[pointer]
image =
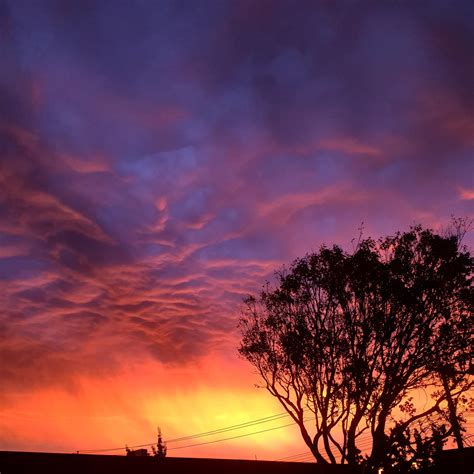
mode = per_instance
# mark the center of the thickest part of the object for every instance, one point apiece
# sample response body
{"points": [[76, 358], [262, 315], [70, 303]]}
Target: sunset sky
{"points": [[159, 160]]}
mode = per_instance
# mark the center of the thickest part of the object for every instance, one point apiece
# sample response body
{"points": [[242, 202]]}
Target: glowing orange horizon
{"points": [[125, 409]]}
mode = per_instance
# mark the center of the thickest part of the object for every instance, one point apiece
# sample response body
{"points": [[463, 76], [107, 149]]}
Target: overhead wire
{"points": [[287, 458], [304, 458], [364, 441], [233, 437], [203, 434], [231, 428]]}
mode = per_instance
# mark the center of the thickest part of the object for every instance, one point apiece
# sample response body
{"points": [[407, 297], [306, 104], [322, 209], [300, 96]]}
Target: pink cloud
{"points": [[281, 209], [350, 146], [466, 194]]}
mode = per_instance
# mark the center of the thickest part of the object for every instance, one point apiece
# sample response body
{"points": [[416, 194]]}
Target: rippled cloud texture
{"points": [[158, 160]]}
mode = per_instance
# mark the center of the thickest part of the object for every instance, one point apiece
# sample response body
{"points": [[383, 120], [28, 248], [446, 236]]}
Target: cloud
{"points": [[466, 194], [158, 164]]}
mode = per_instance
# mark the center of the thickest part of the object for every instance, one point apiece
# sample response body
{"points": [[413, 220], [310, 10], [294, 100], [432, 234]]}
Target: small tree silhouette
{"points": [[161, 448]]}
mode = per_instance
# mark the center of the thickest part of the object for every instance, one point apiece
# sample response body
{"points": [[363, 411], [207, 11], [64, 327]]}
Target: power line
{"points": [[363, 443], [302, 458], [305, 453], [233, 437], [231, 428], [106, 450], [199, 435], [223, 430]]}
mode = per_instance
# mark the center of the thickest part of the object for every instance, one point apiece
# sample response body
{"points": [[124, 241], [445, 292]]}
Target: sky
{"points": [[159, 160]]}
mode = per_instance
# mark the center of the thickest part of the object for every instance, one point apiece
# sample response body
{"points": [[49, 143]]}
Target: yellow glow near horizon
{"points": [[126, 409]]}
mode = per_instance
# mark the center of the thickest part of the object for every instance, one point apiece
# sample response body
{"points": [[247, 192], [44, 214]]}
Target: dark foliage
{"points": [[345, 341]]}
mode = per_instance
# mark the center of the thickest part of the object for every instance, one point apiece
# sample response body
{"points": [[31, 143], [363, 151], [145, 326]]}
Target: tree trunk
{"points": [[452, 413], [351, 445], [379, 448], [454, 422]]}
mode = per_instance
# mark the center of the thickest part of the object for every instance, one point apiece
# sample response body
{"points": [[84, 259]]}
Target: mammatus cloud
{"points": [[158, 163]]}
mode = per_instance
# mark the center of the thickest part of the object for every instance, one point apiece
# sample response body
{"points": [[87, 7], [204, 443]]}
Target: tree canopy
{"points": [[346, 342]]}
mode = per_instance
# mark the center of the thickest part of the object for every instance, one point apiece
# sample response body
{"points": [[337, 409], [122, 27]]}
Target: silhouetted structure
{"points": [[136, 452]]}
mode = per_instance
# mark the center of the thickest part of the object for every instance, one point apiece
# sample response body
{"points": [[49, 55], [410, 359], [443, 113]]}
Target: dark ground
{"points": [[49, 463], [16, 462]]}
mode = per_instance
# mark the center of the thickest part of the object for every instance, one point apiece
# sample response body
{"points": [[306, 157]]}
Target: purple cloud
{"points": [[158, 162]]}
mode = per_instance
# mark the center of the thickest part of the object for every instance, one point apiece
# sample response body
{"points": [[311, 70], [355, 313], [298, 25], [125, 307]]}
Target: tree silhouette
{"points": [[345, 341], [161, 448]]}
